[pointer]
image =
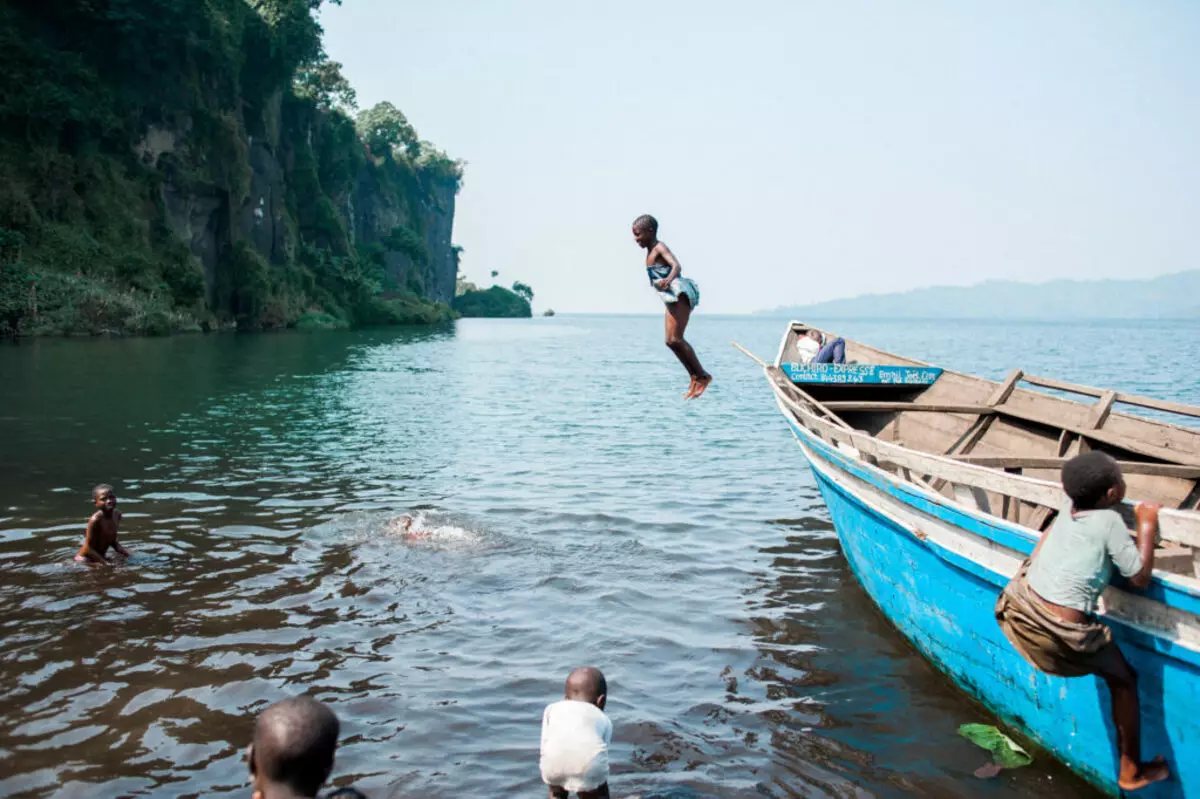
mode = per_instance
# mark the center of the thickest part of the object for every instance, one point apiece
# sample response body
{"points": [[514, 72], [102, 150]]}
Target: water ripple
{"points": [[580, 513]]}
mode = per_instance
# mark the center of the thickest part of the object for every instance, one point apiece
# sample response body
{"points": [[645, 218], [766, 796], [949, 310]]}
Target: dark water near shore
{"points": [[585, 515]]}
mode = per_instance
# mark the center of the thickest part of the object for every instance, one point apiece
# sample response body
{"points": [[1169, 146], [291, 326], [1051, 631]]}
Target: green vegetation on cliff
{"points": [[494, 302], [175, 164]]}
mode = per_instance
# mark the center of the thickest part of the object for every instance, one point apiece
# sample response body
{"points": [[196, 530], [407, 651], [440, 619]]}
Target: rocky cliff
{"points": [[166, 164]]}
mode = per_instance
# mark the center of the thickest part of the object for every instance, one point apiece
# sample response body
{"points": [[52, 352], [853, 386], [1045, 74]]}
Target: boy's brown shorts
{"points": [[1053, 644]]}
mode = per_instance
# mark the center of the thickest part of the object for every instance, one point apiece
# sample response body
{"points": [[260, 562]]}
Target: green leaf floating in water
{"points": [[1005, 751]]}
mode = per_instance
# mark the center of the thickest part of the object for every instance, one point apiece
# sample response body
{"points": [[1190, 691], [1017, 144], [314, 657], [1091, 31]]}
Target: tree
{"points": [[495, 273], [322, 82], [523, 290], [386, 129]]}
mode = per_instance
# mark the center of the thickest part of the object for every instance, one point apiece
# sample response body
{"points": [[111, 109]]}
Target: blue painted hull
{"points": [[942, 602]]}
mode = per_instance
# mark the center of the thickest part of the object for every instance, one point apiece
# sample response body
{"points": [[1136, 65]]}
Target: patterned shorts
{"points": [[681, 285]]}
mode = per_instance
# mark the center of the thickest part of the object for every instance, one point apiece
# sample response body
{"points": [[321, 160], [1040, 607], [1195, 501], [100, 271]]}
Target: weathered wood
{"points": [[1126, 399], [1101, 410], [839, 405], [1105, 437], [1176, 560], [972, 496], [1174, 525], [1129, 467], [977, 431], [983, 423], [780, 379]]}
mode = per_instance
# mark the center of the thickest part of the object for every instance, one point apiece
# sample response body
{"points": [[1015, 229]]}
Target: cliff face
{"points": [[429, 267], [368, 210], [204, 177]]}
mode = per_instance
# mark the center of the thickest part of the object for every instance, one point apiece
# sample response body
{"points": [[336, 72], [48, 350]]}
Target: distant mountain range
{"points": [[1174, 296]]}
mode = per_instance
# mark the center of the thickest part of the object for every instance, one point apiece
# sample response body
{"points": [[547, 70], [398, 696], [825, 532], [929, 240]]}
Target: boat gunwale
{"points": [[1168, 581], [994, 383]]}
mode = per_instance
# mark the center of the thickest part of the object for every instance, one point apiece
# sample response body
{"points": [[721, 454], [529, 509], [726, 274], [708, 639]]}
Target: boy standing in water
{"points": [[680, 295], [1047, 611], [575, 738], [101, 528]]}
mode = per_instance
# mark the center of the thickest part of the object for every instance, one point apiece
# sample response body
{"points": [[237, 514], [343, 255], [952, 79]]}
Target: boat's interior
{"points": [[1016, 427]]}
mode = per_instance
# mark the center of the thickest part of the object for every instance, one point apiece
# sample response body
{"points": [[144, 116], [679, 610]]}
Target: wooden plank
{"points": [[981, 425], [1129, 467], [1174, 525], [1101, 410], [1104, 436], [1002, 393], [1127, 399], [840, 405], [971, 495], [781, 380], [1005, 389]]}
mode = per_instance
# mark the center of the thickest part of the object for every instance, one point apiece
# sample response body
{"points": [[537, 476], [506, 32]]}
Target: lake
{"points": [[582, 514]]}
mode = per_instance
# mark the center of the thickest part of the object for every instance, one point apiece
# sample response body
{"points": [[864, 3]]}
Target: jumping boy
{"points": [[575, 738], [101, 529], [680, 295], [1046, 611]]}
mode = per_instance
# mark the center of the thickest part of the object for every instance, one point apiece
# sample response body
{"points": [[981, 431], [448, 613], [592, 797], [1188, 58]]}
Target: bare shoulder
{"points": [[95, 517]]}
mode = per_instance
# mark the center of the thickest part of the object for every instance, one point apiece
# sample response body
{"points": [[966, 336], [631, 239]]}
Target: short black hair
{"points": [[1086, 478], [100, 489], [646, 222], [294, 742], [586, 684]]}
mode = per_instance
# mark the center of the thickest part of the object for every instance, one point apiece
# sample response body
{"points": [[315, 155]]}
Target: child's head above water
{"points": [[645, 230], [1093, 480], [293, 748], [587, 684], [104, 497]]}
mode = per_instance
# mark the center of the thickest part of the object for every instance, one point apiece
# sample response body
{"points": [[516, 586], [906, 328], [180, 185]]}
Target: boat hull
{"points": [[935, 570]]}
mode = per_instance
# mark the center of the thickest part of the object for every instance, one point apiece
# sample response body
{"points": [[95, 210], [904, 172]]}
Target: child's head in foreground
{"points": [[104, 497], [1093, 480], [294, 744], [645, 230], [587, 684]]}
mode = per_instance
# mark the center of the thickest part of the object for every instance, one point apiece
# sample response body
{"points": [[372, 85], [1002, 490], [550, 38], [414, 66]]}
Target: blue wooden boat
{"points": [[940, 484]]}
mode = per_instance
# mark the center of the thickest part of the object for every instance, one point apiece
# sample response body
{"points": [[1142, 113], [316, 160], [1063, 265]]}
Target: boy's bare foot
{"points": [[1156, 770], [700, 387], [691, 392]]}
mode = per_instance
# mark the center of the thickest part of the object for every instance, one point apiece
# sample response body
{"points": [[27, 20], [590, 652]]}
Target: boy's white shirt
{"points": [[575, 739], [807, 347]]}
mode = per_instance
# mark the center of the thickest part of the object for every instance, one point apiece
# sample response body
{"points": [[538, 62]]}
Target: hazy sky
{"points": [[798, 151]]}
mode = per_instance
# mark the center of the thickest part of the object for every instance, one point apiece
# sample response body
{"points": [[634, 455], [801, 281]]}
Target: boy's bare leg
{"points": [[678, 314], [599, 793], [558, 793], [1126, 711]]}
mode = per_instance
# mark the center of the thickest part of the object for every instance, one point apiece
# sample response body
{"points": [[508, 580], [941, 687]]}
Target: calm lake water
{"points": [[584, 514]]}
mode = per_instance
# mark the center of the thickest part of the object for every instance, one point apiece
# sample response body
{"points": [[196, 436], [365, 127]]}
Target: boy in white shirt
{"points": [[575, 738]]}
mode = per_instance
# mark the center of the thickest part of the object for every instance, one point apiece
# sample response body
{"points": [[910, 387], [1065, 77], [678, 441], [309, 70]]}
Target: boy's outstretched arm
{"points": [[669, 258], [1147, 532]]}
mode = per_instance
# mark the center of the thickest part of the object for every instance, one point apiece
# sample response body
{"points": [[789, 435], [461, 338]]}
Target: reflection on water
{"points": [[579, 513]]}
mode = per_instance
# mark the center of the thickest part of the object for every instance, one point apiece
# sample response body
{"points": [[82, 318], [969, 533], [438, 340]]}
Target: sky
{"points": [[797, 151]]}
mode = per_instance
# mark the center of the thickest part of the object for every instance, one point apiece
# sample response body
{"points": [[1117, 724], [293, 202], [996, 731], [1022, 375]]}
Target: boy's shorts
{"points": [[1051, 643], [681, 285], [571, 777]]}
